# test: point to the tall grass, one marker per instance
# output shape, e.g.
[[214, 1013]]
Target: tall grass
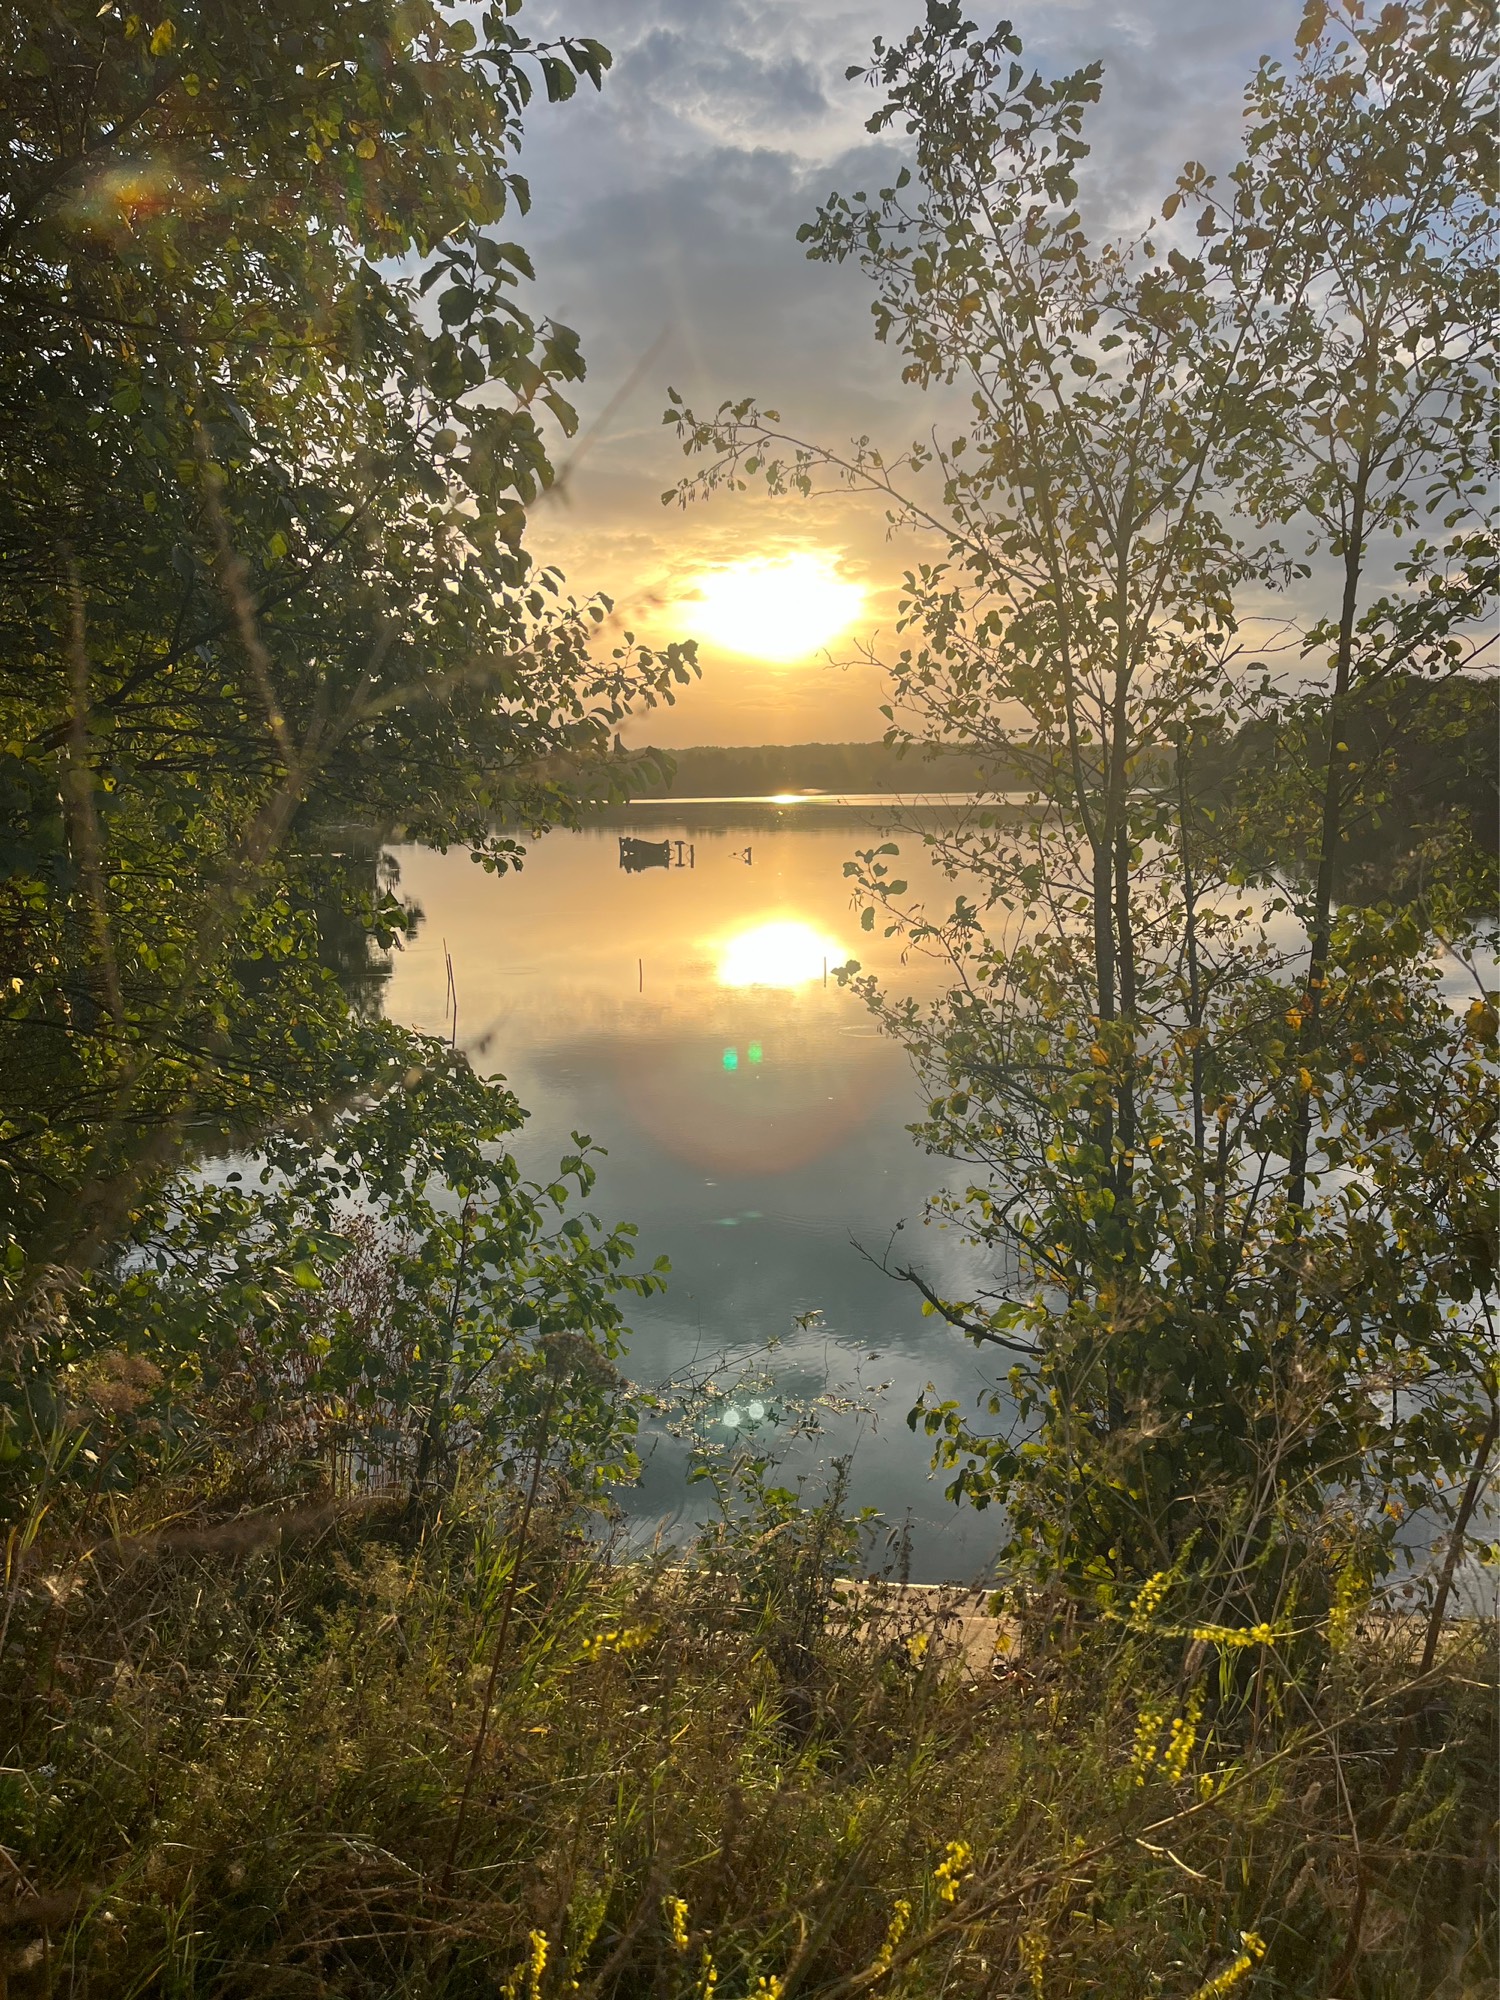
[[238, 1739]]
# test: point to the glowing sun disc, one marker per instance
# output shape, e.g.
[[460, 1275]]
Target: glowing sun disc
[[784, 953], [778, 609]]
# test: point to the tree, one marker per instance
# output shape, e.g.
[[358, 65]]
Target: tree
[[1359, 235], [272, 418], [273, 414], [1219, 1343]]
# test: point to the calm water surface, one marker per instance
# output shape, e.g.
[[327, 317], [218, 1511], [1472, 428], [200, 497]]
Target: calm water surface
[[753, 1118]]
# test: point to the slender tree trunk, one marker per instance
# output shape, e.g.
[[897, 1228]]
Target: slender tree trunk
[[1117, 863], [1125, 946], [1330, 833], [1194, 985], [1104, 973], [1456, 1538], [1104, 930]]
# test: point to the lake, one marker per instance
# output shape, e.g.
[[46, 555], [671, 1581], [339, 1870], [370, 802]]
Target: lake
[[687, 1018]]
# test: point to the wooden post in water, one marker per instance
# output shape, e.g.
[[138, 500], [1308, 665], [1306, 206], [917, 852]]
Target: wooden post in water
[[450, 998]]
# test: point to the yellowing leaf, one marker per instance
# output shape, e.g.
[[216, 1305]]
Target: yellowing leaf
[[1482, 1021], [1314, 19]]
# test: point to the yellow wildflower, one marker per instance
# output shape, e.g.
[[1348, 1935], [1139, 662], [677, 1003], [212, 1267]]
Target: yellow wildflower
[[1033, 1948], [955, 1867], [1349, 1601], [1149, 1596], [618, 1639], [537, 1965], [709, 1976], [895, 1931], [1143, 1751], [1229, 1635], [677, 1916], [1234, 1974], [1180, 1743]]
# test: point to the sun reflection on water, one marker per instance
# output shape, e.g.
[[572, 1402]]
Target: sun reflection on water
[[782, 953]]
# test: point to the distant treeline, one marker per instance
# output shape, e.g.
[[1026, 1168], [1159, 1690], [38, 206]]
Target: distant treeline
[[1436, 746], [1438, 743], [715, 771]]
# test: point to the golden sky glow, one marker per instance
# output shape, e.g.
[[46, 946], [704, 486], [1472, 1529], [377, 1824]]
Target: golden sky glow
[[781, 953], [777, 608]]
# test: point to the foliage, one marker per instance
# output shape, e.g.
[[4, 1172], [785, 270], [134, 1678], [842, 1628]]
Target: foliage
[[273, 415], [312, 1677], [1427, 826], [1229, 1139], [377, 1304], [237, 1739], [714, 771]]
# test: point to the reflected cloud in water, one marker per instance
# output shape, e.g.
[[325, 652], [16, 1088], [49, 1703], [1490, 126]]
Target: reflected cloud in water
[[755, 1124]]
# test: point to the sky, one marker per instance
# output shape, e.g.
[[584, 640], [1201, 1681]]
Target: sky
[[663, 229]]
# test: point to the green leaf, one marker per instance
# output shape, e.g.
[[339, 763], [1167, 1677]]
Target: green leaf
[[560, 79]]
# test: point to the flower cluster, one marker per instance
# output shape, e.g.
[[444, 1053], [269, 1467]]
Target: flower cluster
[[1147, 1733], [1252, 1952], [1184, 1734], [1149, 1596], [1349, 1601], [618, 1639], [537, 1951], [1032, 1947], [895, 1931], [1230, 1635], [955, 1867]]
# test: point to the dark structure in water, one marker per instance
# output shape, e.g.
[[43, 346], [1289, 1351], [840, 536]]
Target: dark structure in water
[[638, 854]]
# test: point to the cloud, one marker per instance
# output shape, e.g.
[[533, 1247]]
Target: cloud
[[669, 205], [720, 88]]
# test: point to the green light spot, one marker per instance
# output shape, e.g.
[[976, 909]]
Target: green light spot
[[754, 1052], [731, 1059]]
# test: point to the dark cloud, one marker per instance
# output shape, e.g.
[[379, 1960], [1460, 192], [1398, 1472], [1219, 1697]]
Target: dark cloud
[[719, 85]]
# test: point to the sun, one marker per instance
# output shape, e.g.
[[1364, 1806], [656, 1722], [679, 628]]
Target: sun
[[776, 608], [782, 953]]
